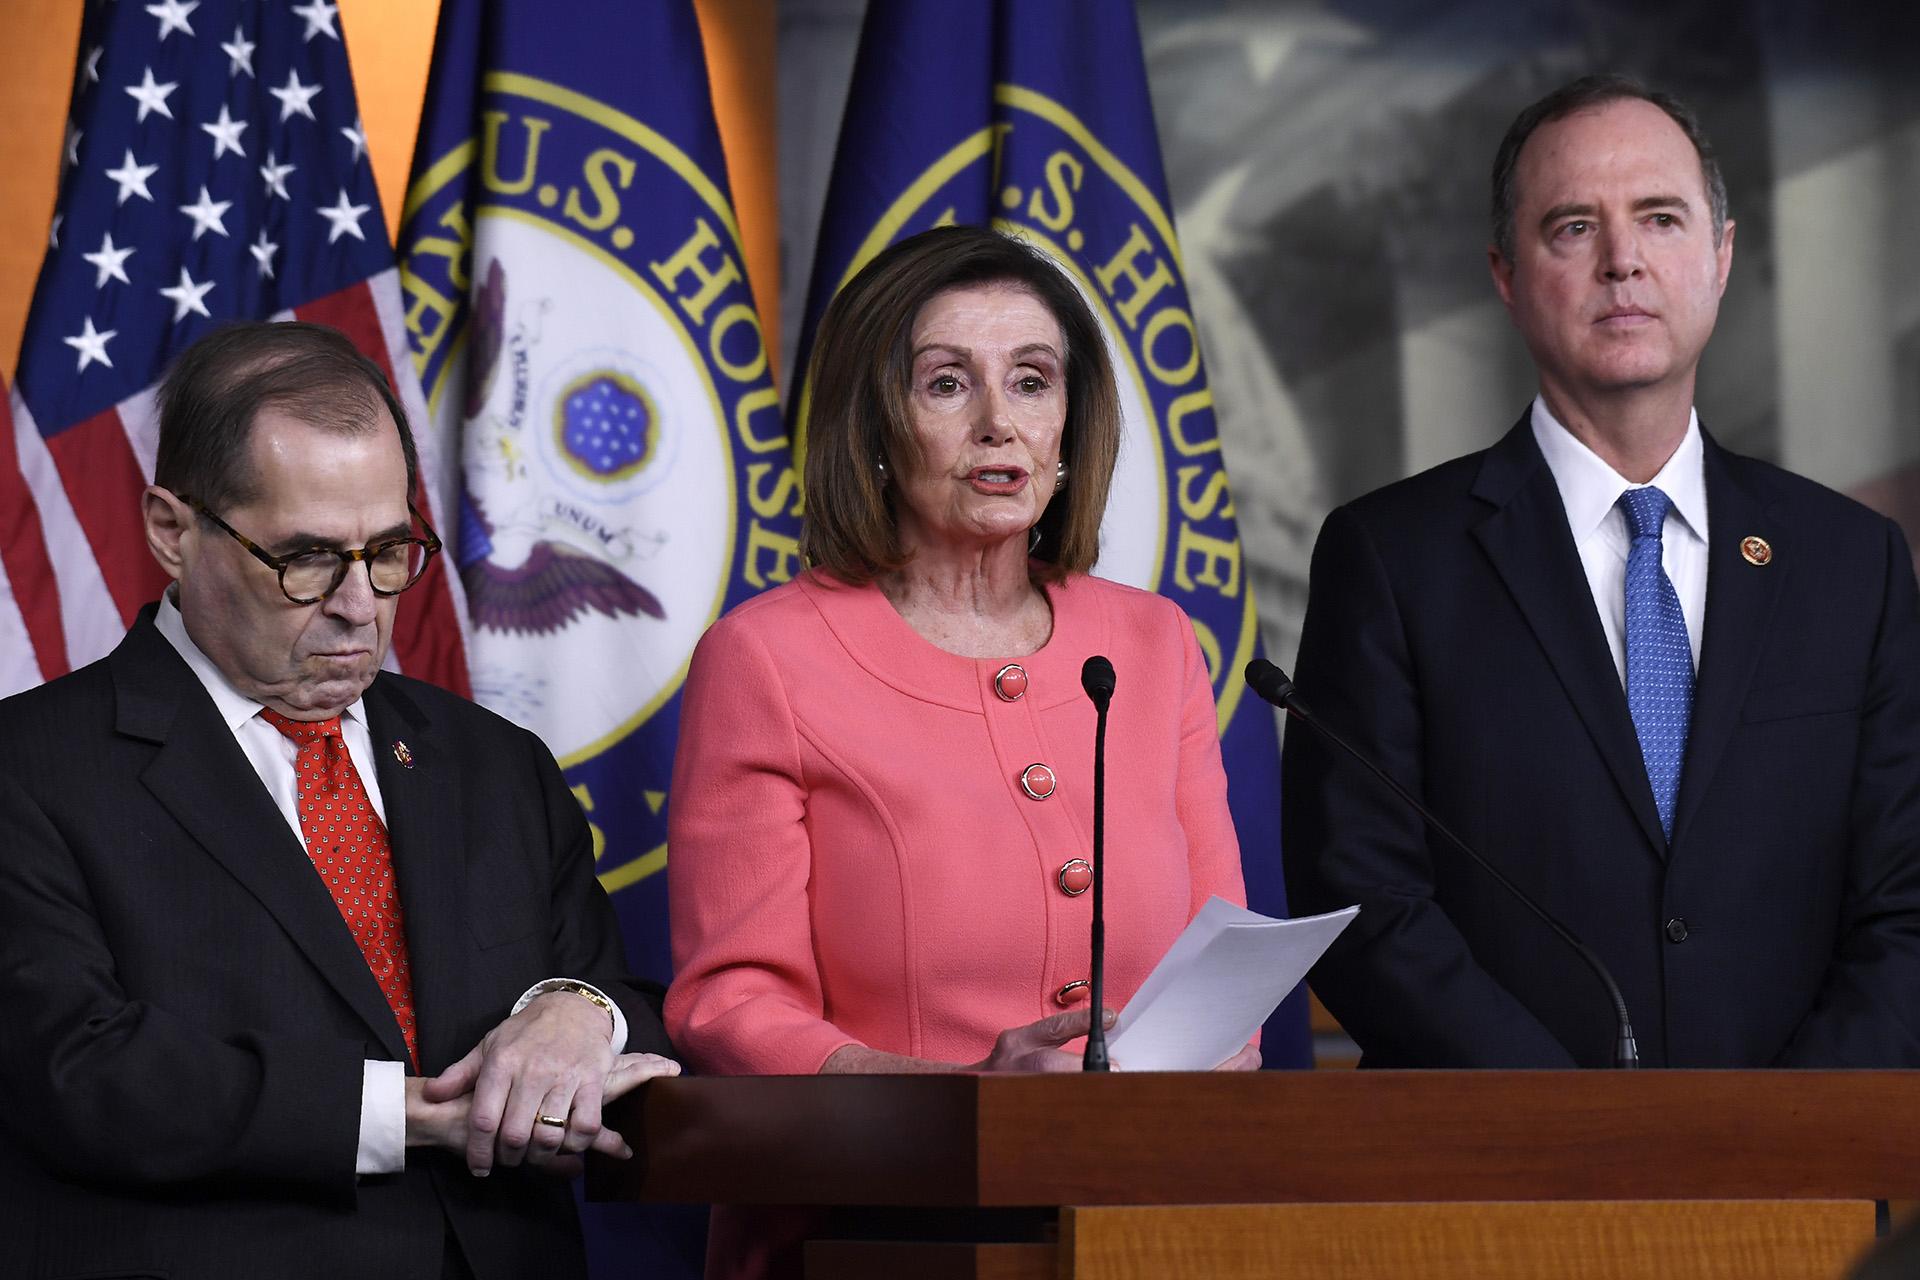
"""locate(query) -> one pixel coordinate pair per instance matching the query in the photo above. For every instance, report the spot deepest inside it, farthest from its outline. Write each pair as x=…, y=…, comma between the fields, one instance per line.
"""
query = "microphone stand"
x=1273, y=686
x=1096, y=677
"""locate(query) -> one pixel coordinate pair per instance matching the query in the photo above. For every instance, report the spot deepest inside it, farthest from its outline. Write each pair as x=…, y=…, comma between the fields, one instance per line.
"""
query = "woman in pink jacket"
x=882, y=799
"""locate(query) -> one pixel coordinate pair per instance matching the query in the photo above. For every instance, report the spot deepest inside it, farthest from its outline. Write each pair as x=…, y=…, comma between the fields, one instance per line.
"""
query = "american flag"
x=214, y=169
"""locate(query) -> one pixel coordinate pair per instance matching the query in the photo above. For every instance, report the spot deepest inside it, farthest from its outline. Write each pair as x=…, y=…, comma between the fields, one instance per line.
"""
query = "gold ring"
x=555, y=1121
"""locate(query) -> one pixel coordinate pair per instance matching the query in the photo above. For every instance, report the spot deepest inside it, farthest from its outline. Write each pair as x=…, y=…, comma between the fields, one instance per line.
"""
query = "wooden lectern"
x=1354, y=1174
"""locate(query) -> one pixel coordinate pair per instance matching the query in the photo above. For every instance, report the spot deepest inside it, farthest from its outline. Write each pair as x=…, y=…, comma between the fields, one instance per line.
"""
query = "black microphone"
x=1096, y=677
x=1272, y=685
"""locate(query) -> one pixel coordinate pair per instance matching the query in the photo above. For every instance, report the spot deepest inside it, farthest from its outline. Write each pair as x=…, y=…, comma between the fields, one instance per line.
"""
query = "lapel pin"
x=405, y=756
x=1756, y=550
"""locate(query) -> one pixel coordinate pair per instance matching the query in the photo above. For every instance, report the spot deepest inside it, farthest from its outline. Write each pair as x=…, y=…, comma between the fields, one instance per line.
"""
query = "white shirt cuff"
x=540, y=988
x=383, y=1119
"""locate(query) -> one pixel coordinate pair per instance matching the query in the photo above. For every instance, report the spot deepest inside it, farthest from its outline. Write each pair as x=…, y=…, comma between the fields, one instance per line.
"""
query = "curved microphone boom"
x=1096, y=677
x=1272, y=685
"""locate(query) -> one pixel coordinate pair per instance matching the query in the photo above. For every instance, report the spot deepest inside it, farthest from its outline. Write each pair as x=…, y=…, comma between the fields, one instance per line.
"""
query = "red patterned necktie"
x=347, y=843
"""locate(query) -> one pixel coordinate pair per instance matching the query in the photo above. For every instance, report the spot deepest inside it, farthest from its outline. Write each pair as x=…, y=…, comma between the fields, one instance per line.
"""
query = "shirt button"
x=1010, y=682
x=1075, y=992
x=1676, y=930
x=1037, y=781
x=1076, y=877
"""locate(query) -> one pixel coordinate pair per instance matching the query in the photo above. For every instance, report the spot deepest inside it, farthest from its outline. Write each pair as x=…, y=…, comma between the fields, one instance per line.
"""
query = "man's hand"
x=629, y=1070
x=436, y=1124
x=550, y=1059
x=444, y=1124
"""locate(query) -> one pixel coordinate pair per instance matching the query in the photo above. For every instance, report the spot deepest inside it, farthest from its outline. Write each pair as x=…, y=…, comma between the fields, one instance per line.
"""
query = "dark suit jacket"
x=1451, y=632
x=186, y=1014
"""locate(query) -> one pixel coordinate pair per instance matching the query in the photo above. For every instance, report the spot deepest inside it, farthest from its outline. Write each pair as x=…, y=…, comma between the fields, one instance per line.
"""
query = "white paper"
x=1222, y=976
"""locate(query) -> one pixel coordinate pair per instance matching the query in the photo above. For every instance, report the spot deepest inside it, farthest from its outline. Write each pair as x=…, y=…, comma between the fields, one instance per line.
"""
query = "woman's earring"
x=880, y=465
x=1033, y=539
x=1059, y=476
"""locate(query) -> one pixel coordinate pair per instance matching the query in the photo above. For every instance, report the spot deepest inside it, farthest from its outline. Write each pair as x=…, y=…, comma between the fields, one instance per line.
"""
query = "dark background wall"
x=1329, y=171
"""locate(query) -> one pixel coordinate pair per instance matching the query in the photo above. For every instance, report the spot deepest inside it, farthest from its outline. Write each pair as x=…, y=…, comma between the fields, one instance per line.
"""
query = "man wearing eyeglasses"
x=304, y=964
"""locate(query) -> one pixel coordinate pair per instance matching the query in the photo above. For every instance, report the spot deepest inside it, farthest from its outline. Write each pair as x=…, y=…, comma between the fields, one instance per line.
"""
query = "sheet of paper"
x=1222, y=976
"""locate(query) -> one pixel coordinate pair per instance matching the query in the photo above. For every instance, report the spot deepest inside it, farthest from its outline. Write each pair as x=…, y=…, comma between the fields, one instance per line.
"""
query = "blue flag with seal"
x=581, y=320
x=1034, y=117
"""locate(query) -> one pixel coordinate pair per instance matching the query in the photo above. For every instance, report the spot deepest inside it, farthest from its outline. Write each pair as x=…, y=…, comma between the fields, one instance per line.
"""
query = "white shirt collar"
x=235, y=707
x=1589, y=488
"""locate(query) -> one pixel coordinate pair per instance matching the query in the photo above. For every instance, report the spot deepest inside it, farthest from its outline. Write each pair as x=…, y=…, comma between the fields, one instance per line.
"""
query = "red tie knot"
x=302, y=732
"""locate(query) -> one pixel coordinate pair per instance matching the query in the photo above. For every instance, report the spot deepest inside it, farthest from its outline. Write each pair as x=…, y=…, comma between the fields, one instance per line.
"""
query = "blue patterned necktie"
x=1659, y=659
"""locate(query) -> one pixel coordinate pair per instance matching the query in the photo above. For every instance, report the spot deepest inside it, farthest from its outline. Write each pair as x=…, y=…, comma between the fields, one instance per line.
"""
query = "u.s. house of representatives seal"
x=580, y=315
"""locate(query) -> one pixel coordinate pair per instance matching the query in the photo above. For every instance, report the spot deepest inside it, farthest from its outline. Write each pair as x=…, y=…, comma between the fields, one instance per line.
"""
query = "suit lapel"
x=1740, y=604
x=204, y=780
x=421, y=789
x=1527, y=539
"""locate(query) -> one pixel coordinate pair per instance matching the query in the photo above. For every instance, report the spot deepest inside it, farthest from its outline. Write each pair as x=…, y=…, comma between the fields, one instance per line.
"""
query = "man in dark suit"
x=1671, y=692
x=294, y=953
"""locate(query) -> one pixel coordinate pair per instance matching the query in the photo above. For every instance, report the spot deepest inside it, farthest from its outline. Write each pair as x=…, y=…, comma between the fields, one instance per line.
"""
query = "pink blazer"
x=855, y=861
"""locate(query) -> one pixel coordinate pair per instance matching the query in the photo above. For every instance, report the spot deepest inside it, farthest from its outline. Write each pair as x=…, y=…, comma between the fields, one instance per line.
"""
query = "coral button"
x=1076, y=877
x=1073, y=993
x=1010, y=682
x=1037, y=781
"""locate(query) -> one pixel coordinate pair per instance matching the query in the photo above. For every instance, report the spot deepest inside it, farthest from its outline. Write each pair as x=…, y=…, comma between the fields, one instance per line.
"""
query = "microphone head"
x=1096, y=677
x=1269, y=682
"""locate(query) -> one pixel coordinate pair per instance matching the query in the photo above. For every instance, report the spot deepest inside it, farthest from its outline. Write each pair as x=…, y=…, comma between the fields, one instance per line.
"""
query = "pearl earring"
x=1059, y=476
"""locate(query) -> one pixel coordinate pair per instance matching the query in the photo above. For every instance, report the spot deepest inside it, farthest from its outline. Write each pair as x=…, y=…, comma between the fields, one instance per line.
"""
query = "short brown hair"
x=1583, y=94
x=861, y=376
x=212, y=395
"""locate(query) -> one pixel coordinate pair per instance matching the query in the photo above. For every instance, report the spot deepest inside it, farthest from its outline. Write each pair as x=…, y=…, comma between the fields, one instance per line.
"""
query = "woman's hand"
x=1036, y=1046
x=1248, y=1059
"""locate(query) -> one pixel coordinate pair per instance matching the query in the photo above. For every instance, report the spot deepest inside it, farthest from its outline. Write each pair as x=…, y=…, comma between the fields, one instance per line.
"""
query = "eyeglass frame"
x=345, y=559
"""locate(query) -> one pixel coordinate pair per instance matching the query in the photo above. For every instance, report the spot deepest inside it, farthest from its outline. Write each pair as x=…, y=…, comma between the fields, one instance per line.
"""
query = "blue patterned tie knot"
x=1659, y=657
x=1646, y=511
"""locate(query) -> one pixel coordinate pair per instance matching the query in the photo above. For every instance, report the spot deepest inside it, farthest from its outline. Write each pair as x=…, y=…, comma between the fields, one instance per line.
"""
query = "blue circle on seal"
x=607, y=424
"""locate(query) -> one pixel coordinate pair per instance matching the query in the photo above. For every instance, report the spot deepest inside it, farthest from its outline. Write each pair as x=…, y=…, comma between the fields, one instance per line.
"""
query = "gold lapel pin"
x=1756, y=551
x=405, y=756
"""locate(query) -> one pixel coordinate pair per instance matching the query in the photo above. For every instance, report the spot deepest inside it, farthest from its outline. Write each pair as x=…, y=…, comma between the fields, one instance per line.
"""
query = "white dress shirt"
x=1589, y=490
x=383, y=1087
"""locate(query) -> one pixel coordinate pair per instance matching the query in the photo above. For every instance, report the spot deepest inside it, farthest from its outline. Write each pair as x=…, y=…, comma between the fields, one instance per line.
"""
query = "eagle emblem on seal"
x=604, y=424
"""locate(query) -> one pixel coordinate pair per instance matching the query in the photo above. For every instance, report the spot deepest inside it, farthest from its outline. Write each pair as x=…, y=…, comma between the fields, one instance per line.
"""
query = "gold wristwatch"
x=586, y=992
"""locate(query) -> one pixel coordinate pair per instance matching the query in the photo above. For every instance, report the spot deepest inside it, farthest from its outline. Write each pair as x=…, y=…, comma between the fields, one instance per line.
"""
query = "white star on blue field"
x=606, y=427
